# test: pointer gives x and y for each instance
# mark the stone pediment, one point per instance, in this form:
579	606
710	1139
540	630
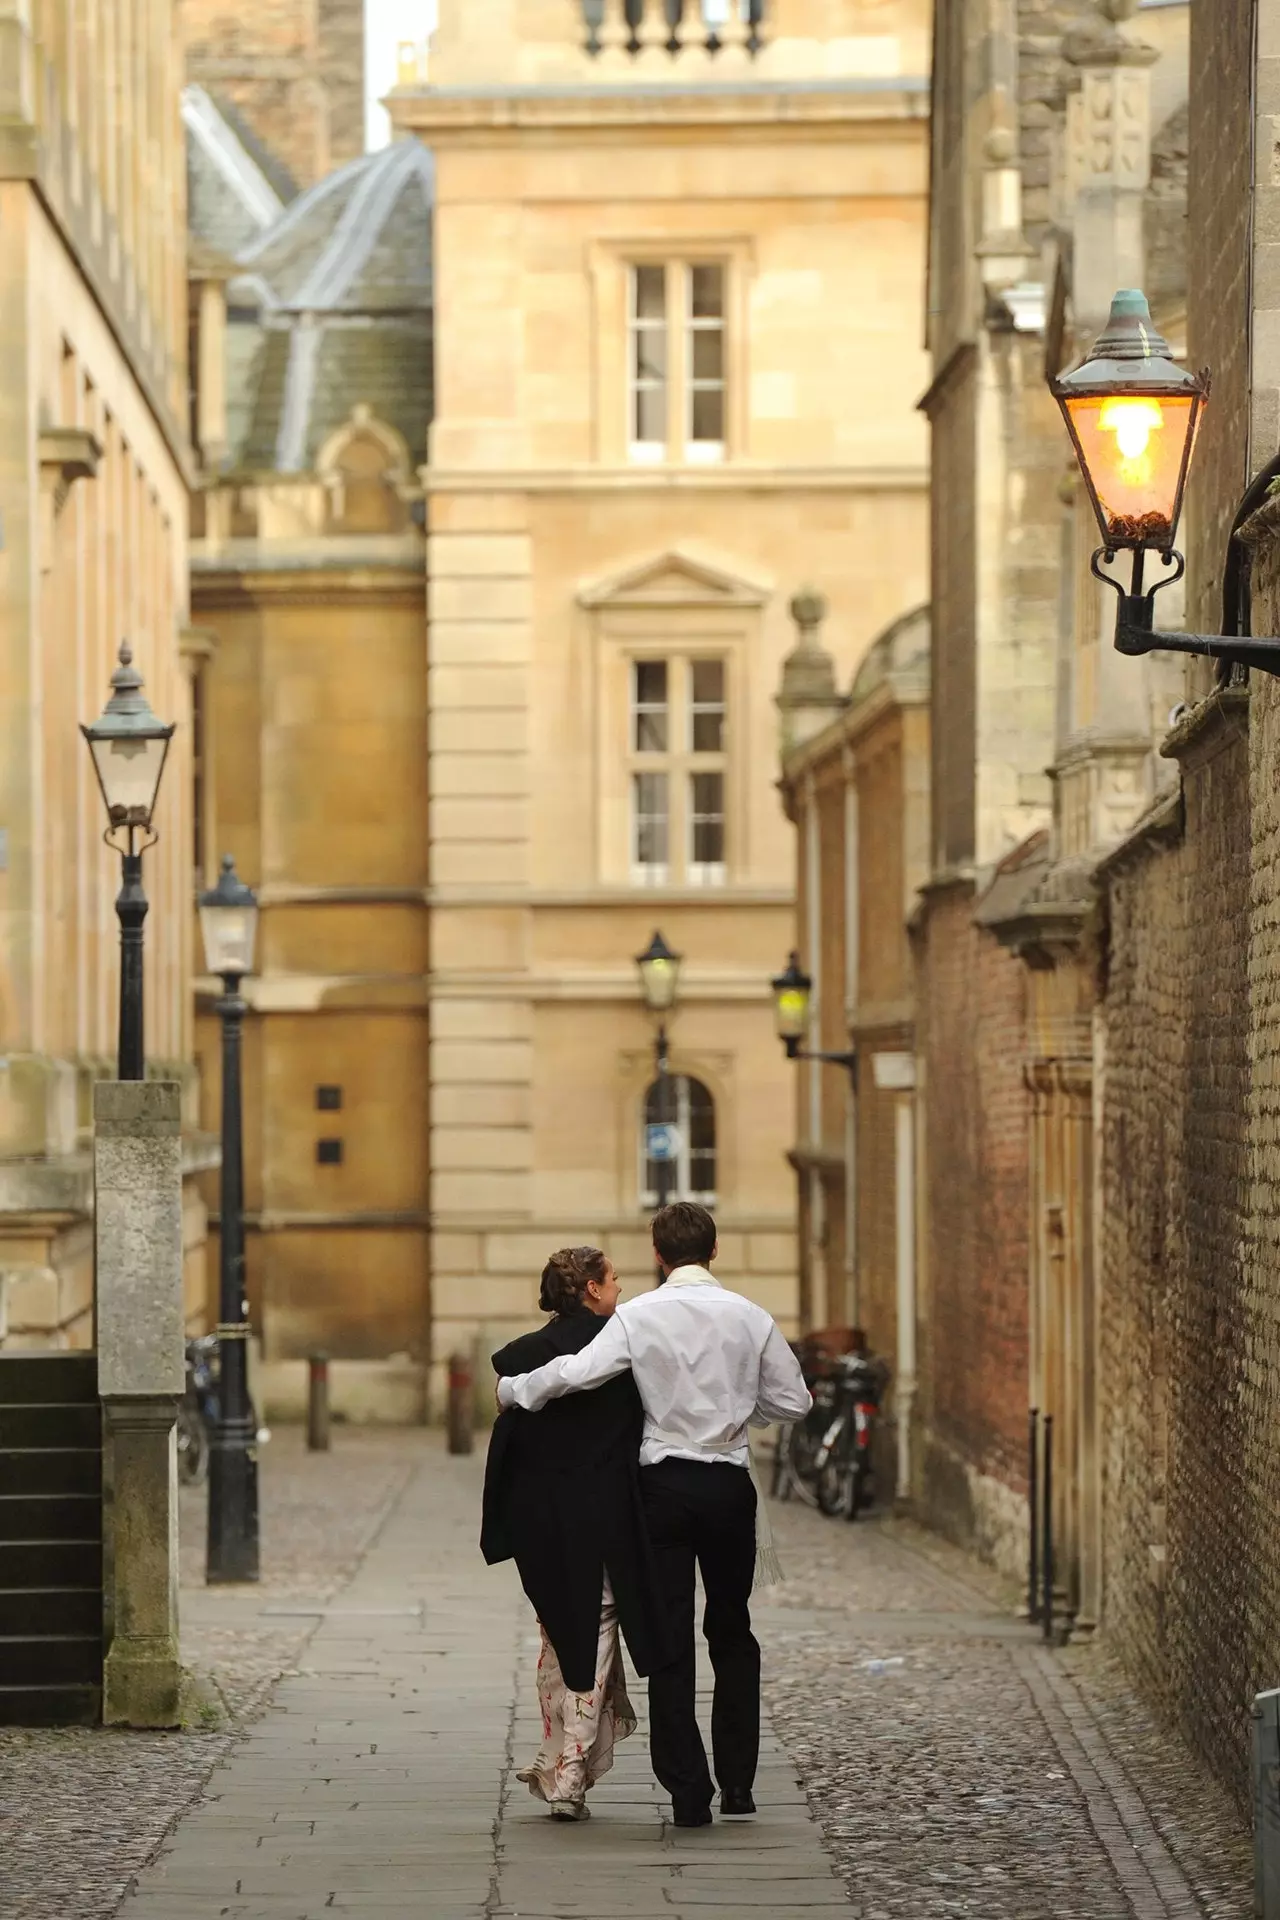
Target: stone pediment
682	576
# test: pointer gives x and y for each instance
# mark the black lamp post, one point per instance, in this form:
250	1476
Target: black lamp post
229	921
792	994
659	970
1133	414
129	748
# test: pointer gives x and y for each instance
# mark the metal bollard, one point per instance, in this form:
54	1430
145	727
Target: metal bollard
461	1404
1046	1558
1266	1805
1033	1515
318	1403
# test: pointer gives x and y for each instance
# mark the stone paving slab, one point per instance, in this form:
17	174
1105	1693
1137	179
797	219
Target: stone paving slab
381	1778
980	1777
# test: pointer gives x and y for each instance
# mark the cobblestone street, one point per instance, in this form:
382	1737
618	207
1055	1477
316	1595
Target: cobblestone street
954	1768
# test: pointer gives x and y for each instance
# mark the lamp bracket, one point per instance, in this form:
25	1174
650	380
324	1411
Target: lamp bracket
848	1060
1137	633
150	837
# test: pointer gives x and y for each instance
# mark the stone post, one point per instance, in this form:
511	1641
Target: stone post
137	1157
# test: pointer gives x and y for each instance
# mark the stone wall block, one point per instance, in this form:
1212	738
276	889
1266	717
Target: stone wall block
138	1202
138	1184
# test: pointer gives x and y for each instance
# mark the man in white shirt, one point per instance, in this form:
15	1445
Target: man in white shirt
708	1364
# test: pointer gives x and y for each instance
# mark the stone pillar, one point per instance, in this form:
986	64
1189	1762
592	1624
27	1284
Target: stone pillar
137	1157
1109	161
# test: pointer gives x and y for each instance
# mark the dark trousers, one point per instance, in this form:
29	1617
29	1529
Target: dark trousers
703	1514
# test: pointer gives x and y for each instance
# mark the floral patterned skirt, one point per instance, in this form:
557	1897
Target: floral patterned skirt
579	1730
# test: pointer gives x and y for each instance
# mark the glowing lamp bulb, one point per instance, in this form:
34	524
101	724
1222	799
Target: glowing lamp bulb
1132	421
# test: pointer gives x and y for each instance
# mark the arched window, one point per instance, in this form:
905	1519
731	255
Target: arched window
678	1142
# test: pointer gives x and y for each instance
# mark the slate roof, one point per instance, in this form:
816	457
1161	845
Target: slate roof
357	242
235	193
330	308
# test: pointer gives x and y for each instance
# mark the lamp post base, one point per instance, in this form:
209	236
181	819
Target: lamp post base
233	1506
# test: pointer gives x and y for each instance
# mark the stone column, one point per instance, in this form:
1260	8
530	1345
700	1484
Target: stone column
138	1226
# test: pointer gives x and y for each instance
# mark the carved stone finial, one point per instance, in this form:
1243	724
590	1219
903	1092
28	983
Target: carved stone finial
807	696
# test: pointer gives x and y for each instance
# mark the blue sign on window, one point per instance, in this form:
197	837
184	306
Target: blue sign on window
662	1142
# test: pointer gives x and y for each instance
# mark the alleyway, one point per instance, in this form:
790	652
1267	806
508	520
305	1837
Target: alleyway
978	1777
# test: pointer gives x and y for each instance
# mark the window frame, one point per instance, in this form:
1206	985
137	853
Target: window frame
683	1188
613	267
680	763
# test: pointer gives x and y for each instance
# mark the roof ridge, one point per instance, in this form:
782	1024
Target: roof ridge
360	225
206	123
298	209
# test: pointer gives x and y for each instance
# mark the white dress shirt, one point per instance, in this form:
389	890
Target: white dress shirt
708	1364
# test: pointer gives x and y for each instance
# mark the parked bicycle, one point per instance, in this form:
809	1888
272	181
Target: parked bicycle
198	1409
827	1459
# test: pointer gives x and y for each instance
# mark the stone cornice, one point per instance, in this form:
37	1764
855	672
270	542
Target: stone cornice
1043	933
787	109
895	693
643	899
1216	724
734	476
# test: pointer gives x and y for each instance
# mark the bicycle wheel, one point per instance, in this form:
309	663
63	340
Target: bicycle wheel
860	1490
193	1445
835	1483
802	1448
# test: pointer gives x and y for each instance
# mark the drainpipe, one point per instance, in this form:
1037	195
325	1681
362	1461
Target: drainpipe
905	1196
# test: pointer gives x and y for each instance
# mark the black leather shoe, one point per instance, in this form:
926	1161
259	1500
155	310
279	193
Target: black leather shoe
691	1816
736	1803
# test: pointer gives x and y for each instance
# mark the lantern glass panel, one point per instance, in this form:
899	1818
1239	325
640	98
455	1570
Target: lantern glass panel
1135	450
658	980
791	1007
129	769
229	933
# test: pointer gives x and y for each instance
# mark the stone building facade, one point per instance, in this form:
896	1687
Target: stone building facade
662	277
1060	172
857	788
1186	1022
313	324
1046	756
94	463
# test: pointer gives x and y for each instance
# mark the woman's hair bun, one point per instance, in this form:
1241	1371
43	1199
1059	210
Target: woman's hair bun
565	1277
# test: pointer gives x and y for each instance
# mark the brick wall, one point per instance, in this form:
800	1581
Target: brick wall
1174	1336
974	1357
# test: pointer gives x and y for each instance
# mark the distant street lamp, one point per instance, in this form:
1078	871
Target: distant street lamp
129	746
229	922
1133	415
659	970
792	996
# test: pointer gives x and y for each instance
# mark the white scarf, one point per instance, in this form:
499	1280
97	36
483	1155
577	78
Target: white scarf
768	1571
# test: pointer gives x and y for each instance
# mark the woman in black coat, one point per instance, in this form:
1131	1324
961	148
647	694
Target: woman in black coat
562	1497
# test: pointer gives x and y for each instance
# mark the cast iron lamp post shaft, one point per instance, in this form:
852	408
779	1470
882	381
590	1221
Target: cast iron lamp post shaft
131	911
666	1092
233	1463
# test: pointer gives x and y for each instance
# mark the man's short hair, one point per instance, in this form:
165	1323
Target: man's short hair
684	1235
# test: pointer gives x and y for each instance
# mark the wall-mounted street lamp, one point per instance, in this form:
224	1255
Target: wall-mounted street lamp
1133	415
792	995
129	746
659	970
229	924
